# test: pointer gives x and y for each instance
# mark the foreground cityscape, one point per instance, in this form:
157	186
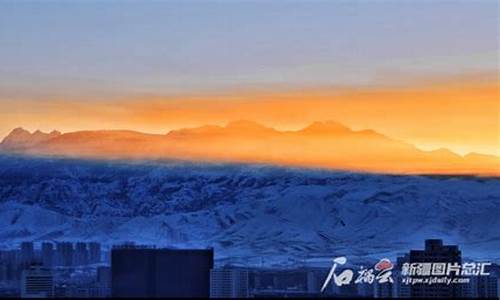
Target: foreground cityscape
87	270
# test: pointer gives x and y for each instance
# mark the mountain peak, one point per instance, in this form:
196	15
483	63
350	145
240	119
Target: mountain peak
245	127
38	133
21	138
16	134
18	131
327	127
245	124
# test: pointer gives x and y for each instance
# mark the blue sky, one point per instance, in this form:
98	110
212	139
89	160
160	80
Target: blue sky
50	48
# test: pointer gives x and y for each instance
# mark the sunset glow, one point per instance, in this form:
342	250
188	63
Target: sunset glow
401	71
461	116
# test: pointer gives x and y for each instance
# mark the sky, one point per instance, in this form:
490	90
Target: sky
72	65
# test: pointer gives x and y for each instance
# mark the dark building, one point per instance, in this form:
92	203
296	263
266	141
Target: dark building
483	286
94	252
383	290
48	254
13	265
486	287
161	272
65	254
3	271
401	290
290	282
27	253
81	254
104	277
104	281
436	252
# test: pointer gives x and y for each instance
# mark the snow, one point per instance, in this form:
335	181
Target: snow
249	214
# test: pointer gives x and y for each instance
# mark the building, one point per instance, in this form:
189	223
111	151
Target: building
37	282
365	290
11	260
383	290
3	272
104	277
104	281
137	272
61	291
289	282
481	287
48	255
27	253
229	283
81	254
436	252
487	286
401	289
94	252
65	254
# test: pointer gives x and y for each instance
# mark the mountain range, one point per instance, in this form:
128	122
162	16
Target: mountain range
320	145
250	214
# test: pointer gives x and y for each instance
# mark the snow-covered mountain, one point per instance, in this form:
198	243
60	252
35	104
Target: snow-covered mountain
248	213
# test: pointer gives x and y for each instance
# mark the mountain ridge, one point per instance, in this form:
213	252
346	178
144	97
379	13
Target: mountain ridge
245	212
20	138
328	144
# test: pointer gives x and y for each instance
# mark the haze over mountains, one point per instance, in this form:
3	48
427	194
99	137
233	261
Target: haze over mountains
321	144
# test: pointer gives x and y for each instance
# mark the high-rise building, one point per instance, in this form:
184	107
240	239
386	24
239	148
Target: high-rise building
401	289
94	252
487	286
312	282
65	254
48	254
81	254
436	252
383	290
37	282
12	261
365	290
229	283
104	281
104	276
3	272
27	253
481	287
139	272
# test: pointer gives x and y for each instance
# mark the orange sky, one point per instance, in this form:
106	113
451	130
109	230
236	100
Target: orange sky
461	114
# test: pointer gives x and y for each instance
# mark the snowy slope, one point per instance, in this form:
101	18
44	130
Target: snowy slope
249	214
